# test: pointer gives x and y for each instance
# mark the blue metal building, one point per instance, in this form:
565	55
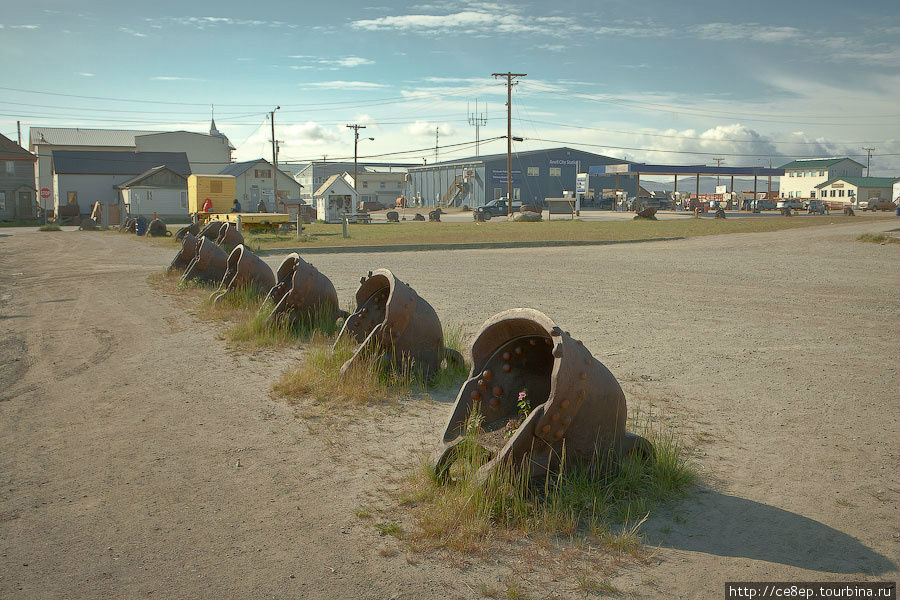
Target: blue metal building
536	175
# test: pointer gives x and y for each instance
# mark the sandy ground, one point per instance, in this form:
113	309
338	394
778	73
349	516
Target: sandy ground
140	457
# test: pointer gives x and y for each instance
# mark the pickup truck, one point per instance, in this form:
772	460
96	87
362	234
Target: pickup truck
497	208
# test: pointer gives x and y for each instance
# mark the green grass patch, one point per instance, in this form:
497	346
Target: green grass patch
50	227
256	330
21	223
604	502
370	380
878	238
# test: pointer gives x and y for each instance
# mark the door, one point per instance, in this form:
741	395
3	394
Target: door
26	206
254	199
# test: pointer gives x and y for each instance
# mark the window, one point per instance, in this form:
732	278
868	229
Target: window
851	193
534	171
821	173
262	173
832	193
365	184
790	173
381	185
840	193
183	199
555	171
2	200
10	167
497	193
812	194
215	187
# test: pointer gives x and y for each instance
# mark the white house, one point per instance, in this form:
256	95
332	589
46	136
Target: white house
44	140
254	181
157	190
206	153
335	198
83	178
802	176
378	186
856	190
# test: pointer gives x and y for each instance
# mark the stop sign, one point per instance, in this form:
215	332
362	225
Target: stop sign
45	193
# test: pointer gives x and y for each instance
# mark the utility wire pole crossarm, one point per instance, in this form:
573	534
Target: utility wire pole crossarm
356	127
509	83
274	161
869	152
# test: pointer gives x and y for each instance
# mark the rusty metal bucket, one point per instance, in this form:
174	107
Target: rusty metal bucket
244	269
88	224
157	228
211	230
392	320
302	292
193	229
208	265
189	247
577	404
230	238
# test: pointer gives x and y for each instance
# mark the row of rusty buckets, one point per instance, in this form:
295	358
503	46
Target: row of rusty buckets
579	408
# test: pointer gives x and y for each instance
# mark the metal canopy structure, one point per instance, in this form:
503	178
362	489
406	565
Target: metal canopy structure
696	171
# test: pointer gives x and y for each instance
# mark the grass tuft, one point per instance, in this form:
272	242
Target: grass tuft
370	380
878	238
607	501
254	331
50	227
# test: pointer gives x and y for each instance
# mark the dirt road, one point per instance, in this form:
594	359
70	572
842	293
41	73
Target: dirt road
140	457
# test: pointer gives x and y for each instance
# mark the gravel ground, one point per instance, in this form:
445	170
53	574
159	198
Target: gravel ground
141	457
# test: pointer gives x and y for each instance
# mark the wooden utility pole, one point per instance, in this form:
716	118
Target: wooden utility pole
274	161
509	83
19	127
719	162
869	152
355	127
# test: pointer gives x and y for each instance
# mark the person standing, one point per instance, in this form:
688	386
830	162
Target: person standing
207	206
237	206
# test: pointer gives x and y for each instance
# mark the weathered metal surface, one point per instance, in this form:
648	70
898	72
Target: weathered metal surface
393	216
244	269
157	228
88	224
647	213
577	404
303	293
480	216
419	217
211	230
193	229
392	320
229	237
129	225
849	211
208	265
189	247
434	215
720	214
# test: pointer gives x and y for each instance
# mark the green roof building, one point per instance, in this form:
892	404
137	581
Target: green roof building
801	177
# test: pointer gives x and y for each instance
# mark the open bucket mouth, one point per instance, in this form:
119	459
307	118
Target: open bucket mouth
189	247
540	393
303	293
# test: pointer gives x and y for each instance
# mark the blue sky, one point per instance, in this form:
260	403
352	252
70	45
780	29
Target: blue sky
655	81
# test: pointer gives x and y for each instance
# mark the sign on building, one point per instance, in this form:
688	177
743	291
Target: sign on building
581	183
499	175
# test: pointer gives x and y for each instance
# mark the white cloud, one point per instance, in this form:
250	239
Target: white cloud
132	32
209	22
85	74
331	64
174	78
20	26
480	18
746	31
552	47
345	85
427	129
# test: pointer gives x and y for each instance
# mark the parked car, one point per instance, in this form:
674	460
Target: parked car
793	203
497	208
765	204
815	207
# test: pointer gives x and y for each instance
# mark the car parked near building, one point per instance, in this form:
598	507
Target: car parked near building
498	208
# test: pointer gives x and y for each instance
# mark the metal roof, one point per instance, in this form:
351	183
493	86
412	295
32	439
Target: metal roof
69	136
515	157
815	163
140	177
9	150
683	170
331	181
239	168
869	182
113	162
